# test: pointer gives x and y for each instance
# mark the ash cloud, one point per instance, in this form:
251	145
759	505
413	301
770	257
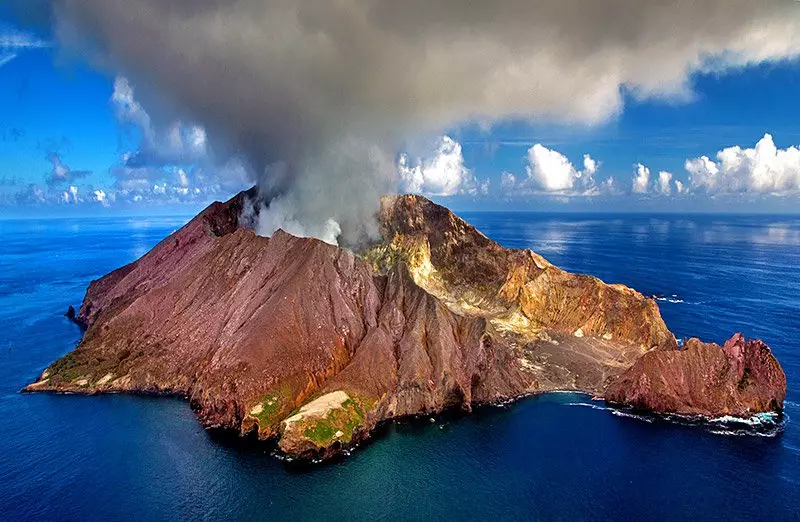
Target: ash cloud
317	97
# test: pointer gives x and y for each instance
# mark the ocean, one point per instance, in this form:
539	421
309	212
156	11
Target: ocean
552	457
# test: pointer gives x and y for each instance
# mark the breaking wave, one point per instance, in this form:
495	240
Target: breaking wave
630	415
591	406
759	425
759	419
668	298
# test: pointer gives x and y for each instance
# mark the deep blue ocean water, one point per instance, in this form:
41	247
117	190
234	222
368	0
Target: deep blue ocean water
552	457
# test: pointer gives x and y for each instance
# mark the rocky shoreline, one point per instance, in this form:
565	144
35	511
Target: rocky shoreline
295	340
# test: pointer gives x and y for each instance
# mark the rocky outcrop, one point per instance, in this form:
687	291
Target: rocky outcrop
739	379
295	339
517	289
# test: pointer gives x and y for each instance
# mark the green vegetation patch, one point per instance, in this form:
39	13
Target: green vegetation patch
273	406
346	419
65	369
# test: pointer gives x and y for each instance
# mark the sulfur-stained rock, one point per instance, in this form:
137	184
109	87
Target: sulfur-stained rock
516	289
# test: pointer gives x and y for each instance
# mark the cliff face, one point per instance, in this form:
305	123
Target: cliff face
739	379
292	338
517	289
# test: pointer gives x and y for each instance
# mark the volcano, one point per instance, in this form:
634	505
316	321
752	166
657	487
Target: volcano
312	345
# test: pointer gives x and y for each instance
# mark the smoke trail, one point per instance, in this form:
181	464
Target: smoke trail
317	96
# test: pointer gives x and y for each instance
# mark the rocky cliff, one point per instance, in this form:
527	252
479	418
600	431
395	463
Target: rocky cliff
296	339
738	379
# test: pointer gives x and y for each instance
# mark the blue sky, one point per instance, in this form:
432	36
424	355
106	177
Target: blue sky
57	111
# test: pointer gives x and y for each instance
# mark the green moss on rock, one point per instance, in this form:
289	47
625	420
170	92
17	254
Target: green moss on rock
65	369
344	420
273	407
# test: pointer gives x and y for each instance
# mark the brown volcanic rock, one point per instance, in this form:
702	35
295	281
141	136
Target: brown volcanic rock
251	328
518	289
739	379
293	338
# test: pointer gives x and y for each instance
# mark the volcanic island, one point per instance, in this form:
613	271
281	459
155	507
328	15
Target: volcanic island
311	345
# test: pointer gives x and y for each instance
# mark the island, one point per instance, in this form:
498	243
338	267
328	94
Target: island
296	340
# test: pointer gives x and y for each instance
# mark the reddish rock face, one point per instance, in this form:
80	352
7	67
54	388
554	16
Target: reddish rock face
740	378
251	328
293	338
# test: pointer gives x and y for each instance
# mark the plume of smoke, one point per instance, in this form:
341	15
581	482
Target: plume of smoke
317	96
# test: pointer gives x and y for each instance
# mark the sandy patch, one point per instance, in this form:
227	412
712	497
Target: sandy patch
106	378
320	407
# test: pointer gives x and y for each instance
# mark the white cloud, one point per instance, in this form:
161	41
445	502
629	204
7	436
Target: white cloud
550	169
101	197
70	195
171	163
6	57
177	143
590	166
641	179
127	108
169	184
550	173
443	174
664	183
145	176
507	181
609	186
13	41
763	169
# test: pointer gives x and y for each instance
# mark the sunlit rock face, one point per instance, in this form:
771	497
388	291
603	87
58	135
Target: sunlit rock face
296	339
518	290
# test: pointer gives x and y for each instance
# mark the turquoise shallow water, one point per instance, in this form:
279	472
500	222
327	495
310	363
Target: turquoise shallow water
552	457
